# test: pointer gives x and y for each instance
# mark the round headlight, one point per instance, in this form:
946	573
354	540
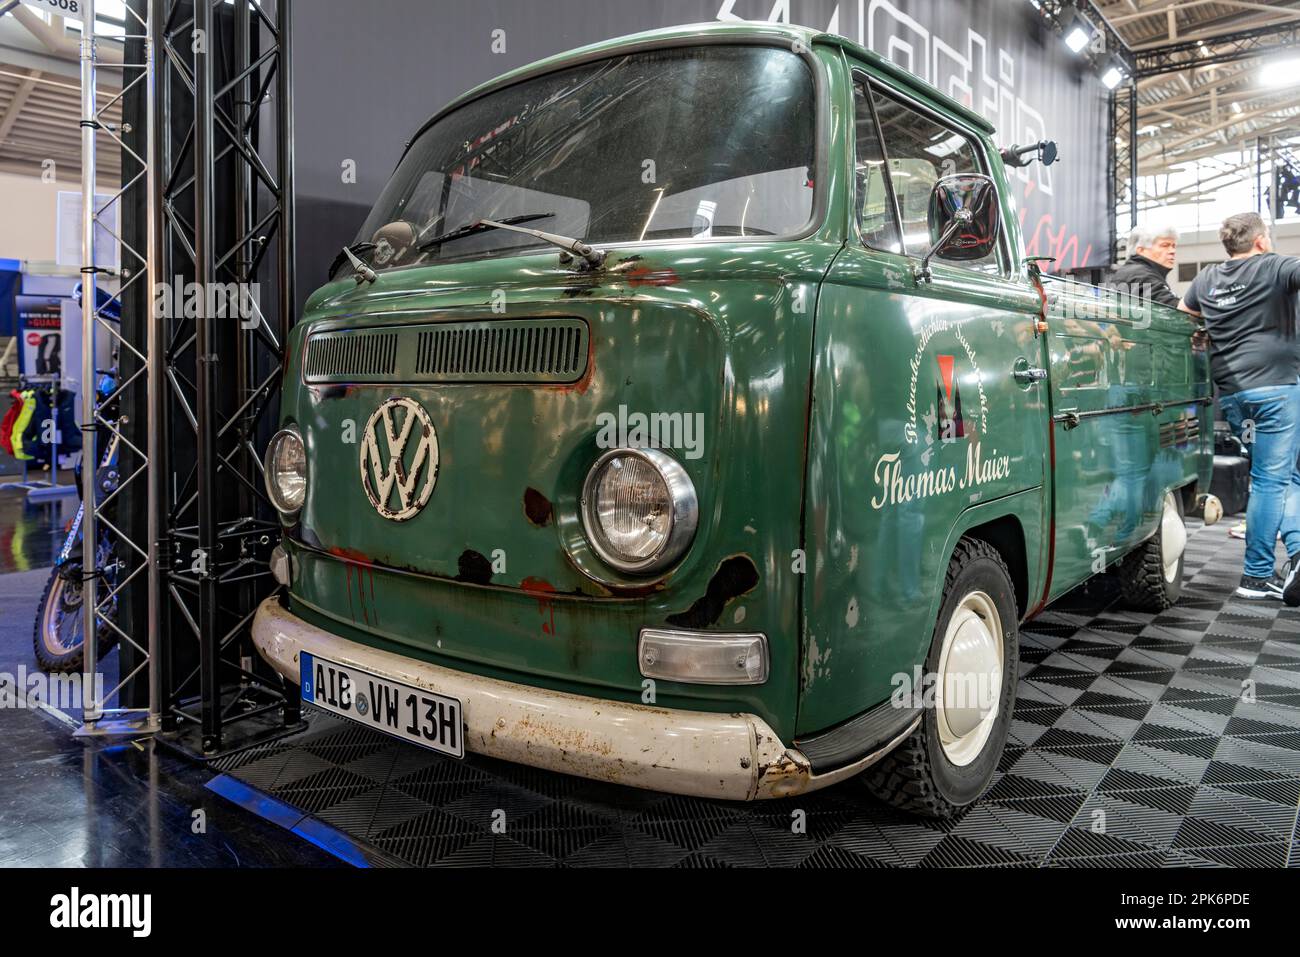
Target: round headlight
286	471
639	509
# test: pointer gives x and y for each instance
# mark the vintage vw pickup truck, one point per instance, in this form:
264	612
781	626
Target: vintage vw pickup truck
687	416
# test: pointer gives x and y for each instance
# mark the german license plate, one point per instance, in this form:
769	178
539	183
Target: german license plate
430	720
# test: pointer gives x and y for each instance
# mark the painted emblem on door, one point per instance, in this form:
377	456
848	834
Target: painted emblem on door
950	424
399	459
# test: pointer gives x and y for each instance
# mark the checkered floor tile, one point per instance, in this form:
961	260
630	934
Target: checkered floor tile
1140	740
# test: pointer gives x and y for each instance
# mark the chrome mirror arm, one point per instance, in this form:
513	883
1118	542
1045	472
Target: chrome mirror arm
960	218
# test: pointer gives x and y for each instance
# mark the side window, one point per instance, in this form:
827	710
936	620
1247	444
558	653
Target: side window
921	152
875	206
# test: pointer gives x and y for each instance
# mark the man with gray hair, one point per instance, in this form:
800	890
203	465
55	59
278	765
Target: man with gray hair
1151	252
1249	307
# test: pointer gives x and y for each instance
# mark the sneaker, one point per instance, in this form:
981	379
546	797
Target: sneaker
1238	530
1257	588
1291	584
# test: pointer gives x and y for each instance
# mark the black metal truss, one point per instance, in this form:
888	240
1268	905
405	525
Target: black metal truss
226	207
1170	58
1123	169
1055	12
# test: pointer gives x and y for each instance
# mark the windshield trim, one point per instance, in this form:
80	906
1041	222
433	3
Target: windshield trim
821	127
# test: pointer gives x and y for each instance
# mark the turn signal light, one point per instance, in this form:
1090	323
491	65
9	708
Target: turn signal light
702	657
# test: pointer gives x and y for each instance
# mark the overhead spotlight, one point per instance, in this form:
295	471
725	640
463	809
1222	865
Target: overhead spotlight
1236	107
1284	72
1077	30
1112	73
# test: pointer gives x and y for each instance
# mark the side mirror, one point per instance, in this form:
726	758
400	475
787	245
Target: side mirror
1019	156
963	219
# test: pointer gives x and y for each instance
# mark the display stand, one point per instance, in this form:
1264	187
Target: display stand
43	490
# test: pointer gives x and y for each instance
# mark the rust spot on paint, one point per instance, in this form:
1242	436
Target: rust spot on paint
474	568
544	591
645	276
351	555
735	577
583	384
537	728
537	508
341	391
363	573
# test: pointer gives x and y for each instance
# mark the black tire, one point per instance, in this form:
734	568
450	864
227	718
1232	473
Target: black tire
60	650
917	776
1143	585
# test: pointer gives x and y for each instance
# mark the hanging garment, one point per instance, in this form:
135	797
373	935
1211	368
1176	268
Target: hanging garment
7	426
65	423
21	423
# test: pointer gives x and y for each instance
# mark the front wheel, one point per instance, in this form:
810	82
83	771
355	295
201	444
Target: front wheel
58	639
949	760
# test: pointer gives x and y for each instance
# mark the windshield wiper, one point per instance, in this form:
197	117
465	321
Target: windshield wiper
481	226
572	247
356	249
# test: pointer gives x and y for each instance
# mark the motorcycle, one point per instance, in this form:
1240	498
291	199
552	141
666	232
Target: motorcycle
59	635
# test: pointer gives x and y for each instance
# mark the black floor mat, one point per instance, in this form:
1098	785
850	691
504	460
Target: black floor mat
1138	740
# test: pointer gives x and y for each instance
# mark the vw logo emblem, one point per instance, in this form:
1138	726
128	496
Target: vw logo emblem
399	459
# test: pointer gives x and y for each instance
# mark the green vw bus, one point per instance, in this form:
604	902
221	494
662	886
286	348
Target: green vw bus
686	415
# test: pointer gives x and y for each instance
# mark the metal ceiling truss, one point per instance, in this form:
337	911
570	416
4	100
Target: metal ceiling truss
1223	48
1192	88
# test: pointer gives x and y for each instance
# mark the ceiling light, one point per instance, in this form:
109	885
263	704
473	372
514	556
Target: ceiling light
1077	31
1280	72
1112	73
1236	107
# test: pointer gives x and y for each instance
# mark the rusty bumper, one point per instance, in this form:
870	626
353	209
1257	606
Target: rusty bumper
705	754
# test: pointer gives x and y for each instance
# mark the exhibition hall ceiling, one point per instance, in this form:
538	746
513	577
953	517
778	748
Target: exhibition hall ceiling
40	99
1205	111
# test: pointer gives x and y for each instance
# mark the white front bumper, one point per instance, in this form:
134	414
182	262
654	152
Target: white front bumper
729	756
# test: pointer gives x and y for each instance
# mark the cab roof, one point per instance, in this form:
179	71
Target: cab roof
712	32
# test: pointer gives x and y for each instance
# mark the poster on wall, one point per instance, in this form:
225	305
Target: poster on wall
40	325
68	252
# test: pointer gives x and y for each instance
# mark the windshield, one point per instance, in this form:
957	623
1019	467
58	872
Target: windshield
691	143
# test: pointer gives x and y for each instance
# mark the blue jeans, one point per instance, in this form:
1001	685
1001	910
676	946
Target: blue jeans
1267	420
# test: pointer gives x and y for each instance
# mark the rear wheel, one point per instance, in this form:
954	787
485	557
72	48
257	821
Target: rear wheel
949	760
1151	576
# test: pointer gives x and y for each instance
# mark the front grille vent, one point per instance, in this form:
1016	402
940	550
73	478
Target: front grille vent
358	355
550	351
513	351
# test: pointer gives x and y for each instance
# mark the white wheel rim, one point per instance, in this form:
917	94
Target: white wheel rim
969	681
1173	538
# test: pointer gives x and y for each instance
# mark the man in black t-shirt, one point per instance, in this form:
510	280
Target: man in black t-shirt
1249	307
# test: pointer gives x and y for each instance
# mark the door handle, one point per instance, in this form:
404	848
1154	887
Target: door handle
1028	375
